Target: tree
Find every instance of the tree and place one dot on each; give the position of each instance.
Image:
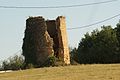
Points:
(118, 32)
(99, 47)
(74, 56)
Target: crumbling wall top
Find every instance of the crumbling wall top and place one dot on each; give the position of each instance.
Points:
(63, 17)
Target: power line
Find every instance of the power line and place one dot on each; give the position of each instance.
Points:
(70, 6)
(95, 22)
(19, 51)
(88, 25)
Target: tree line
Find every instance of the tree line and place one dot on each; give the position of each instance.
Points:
(99, 46)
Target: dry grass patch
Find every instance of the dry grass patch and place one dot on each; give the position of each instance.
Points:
(79, 72)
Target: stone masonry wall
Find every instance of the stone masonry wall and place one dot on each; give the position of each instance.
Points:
(37, 43)
(43, 38)
(63, 42)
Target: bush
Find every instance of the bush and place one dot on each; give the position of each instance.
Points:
(51, 60)
(13, 63)
(30, 66)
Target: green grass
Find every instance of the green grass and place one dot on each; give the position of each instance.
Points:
(79, 72)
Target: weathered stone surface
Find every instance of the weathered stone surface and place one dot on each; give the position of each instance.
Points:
(43, 38)
(37, 45)
(57, 30)
(52, 30)
(63, 42)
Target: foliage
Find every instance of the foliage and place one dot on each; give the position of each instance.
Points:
(74, 59)
(52, 60)
(13, 63)
(118, 32)
(29, 66)
(1, 68)
(99, 47)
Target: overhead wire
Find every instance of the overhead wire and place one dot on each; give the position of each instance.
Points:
(69, 6)
(89, 25)
(93, 12)
(19, 51)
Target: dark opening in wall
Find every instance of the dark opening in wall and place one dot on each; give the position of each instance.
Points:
(53, 32)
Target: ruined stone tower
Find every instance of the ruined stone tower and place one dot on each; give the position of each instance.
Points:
(43, 38)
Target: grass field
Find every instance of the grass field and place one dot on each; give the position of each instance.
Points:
(79, 72)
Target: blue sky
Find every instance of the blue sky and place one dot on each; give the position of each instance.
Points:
(12, 21)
